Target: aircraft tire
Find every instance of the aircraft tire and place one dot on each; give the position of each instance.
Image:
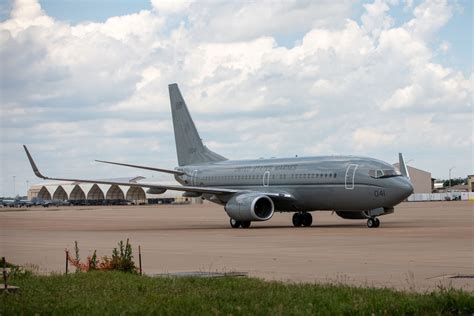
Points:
(307, 219)
(234, 223)
(245, 224)
(377, 222)
(371, 223)
(297, 220)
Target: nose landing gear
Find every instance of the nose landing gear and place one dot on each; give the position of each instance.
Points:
(302, 219)
(373, 222)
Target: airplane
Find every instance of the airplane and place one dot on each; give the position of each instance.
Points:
(18, 201)
(253, 190)
(9, 202)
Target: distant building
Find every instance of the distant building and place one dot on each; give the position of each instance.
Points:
(460, 188)
(421, 180)
(470, 183)
(98, 193)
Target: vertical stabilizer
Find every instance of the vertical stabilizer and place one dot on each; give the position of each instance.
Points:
(189, 146)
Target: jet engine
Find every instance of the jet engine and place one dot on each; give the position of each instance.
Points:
(364, 214)
(250, 207)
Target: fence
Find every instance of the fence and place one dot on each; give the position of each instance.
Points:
(447, 196)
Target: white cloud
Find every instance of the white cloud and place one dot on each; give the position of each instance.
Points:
(376, 19)
(403, 97)
(100, 89)
(170, 6)
(430, 16)
(237, 21)
(369, 138)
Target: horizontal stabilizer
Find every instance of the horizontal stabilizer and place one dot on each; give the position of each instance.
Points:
(179, 173)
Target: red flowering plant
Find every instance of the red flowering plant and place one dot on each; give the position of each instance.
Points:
(121, 260)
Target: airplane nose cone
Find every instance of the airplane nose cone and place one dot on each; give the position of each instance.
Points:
(405, 187)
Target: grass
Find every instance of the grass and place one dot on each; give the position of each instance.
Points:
(113, 293)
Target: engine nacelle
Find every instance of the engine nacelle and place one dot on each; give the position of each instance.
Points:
(250, 207)
(155, 191)
(351, 215)
(192, 194)
(364, 214)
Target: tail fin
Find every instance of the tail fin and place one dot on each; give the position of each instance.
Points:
(189, 146)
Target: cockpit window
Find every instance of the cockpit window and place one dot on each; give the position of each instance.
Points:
(384, 173)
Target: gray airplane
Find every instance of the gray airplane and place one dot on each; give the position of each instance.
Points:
(252, 190)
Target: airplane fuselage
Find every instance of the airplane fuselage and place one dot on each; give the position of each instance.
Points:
(317, 183)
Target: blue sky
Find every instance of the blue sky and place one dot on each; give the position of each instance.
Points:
(85, 80)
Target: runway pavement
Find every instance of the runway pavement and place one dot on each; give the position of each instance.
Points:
(418, 248)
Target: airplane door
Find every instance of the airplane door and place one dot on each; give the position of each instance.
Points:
(194, 180)
(350, 174)
(266, 178)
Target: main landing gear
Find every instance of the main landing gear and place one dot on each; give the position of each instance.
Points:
(373, 222)
(236, 224)
(302, 219)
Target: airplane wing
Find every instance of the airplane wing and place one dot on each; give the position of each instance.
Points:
(207, 190)
(145, 185)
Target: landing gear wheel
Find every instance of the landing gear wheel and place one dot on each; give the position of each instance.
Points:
(234, 223)
(297, 220)
(373, 222)
(245, 224)
(307, 219)
(377, 222)
(370, 222)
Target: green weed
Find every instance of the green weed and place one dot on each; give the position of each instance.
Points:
(100, 293)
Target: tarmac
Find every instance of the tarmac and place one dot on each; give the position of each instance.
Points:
(422, 246)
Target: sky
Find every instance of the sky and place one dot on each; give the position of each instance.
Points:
(85, 80)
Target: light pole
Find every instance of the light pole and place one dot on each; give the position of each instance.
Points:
(14, 186)
(450, 177)
(27, 183)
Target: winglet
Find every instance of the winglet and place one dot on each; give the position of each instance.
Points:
(33, 165)
(403, 166)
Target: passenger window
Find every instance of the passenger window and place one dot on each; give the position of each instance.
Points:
(335, 175)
